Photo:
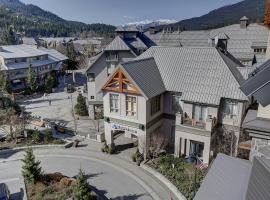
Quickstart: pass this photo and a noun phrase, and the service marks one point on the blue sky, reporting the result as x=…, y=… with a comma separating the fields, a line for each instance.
x=118, y=12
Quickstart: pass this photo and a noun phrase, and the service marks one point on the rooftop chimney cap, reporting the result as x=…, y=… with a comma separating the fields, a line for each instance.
x=244, y=18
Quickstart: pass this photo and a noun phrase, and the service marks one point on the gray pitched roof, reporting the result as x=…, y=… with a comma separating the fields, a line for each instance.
x=244, y=18
x=226, y=180
x=241, y=40
x=126, y=29
x=117, y=45
x=146, y=76
x=20, y=51
x=258, y=84
x=201, y=74
x=259, y=181
x=54, y=55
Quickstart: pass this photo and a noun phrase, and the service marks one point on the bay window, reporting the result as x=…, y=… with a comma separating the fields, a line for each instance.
x=114, y=103
x=131, y=105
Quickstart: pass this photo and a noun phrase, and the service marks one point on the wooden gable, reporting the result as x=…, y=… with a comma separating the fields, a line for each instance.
x=120, y=83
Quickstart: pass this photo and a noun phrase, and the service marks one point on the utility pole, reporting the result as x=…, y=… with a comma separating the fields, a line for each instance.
x=73, y=115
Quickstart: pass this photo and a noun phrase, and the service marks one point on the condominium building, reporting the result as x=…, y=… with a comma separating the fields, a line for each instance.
x=128, y=44
x=15, y=61
x=180, y=92
x=246, y=42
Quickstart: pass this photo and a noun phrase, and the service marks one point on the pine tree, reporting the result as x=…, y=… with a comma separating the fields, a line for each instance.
x=81, y=107
x=31, y=79
x=31, y=169
x=82, y=190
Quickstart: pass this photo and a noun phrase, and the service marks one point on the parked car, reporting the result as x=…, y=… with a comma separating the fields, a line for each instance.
x=4, y=192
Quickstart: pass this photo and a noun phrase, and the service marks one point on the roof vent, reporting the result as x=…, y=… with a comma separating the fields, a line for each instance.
x=244, y=22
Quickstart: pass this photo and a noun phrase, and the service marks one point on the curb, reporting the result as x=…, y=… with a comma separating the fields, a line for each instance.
x=165, y=181
x=117, y=167
x=49, y=146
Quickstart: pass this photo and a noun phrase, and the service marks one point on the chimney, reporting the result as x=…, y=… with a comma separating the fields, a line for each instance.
x=244, y=22
x=152, y=30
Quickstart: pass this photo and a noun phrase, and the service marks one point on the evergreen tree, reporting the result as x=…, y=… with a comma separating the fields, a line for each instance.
x=8, y=36
x=31, y=79
x=82, y=190
x=31, y=169
x=81, y=107
x=4, y=83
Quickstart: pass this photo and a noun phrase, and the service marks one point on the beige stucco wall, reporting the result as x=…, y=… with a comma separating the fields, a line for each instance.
x=264, y=112
x=100, y=71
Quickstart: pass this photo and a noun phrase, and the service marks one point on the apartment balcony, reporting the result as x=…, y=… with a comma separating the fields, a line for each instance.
x=112, y=58
x=192, y=123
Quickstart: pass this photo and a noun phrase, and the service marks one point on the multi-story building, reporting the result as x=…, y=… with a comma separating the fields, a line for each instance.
x=246, y=42
x=15, y=61
x=128, y=44
x=181, y=92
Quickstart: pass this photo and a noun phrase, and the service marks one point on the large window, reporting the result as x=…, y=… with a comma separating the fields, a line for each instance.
x=231, y=108
x=199, y=113
x=196, y=148
x=155, y=105
x=131, y=105
x=114, y=103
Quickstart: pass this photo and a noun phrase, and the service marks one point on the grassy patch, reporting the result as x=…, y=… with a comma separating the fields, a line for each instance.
x=180, y=173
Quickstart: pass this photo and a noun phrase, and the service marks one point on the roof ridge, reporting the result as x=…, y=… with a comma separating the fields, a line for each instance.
x=136, y=60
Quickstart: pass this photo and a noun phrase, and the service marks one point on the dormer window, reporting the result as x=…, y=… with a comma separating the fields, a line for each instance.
x=260, y=50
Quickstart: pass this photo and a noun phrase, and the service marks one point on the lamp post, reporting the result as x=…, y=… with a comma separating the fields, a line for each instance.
x=73, y=115
x=194, y=156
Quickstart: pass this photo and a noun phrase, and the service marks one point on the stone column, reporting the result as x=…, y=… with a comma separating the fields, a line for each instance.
x=108, y=134
x=183, y=146
x=177, y=146
x=91, y=111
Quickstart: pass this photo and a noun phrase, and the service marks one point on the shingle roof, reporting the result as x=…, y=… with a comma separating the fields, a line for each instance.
x=226, y=180
x=117, y=44
x=258, y=84
x=54, y=55
x=241, y=40
x=146, y=76
x=201, y=74
x=20, y=51
x=126, y=29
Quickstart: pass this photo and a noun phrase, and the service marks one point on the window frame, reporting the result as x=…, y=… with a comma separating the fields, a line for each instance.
x=114, y=109
x=131, y=113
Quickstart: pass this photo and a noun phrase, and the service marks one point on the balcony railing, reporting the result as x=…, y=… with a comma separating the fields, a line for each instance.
x=186, y=121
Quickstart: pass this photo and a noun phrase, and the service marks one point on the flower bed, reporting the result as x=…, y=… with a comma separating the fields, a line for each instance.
x=180, y=173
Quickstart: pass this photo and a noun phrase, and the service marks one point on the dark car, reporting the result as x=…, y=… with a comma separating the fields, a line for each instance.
x=4, y=192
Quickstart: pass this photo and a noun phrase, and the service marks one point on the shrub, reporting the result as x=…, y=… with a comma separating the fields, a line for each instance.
x=35, y=136
x=81, y=107
x=82, y=190
x=48, y=137
x=31, y=169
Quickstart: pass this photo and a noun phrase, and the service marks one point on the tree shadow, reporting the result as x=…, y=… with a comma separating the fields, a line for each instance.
x=128, y=197
x=100, y=193
x=17, y=195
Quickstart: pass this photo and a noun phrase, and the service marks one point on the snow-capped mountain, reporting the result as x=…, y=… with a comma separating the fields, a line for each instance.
x=147, y=22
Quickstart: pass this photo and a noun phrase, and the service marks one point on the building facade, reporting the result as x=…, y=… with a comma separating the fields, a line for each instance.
x=127, y=45
x=177, y=94
x=15, y=61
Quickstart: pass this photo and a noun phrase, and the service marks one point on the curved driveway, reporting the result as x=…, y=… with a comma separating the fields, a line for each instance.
x=114, y=178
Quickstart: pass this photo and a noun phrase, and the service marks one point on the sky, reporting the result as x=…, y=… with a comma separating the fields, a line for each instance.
x=120, y=12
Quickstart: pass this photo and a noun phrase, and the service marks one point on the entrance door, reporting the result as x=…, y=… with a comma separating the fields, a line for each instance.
x=197, y=148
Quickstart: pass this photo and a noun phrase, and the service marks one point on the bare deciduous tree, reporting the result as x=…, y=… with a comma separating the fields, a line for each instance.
x=158, y=142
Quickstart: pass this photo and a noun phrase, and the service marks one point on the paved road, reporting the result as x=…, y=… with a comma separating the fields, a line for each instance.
x=113, y=177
